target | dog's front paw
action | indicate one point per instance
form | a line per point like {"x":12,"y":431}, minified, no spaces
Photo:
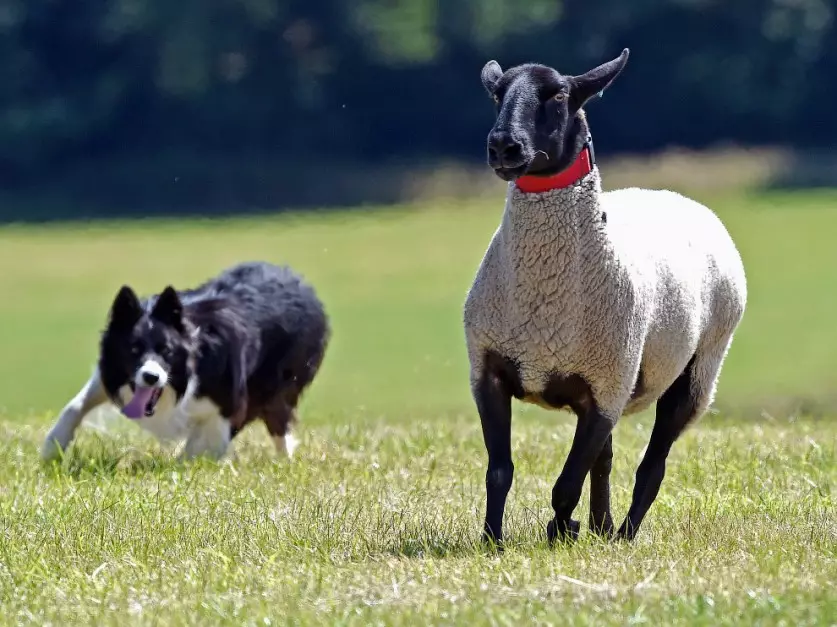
{"x":51,"y":449}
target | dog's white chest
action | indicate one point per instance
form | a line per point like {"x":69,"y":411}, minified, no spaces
{"x":198,"y":421}
{"x":173,"y":421}
{"x":167,"y":425}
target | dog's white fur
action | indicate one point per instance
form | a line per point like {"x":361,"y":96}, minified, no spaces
{"x":197,"y":420}
{"x":62,"y":433}
{"x":286,"y":445}
{"x":154,"y":367}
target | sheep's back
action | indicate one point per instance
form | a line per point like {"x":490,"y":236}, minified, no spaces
{"x":684,"y":251}
{"x":681,"y":240}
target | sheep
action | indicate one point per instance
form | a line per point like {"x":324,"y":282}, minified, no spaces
{"x":600,"y":302}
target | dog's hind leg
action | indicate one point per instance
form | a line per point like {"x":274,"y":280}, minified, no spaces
{"x":286,"y":444}
{"x":279,"y":418}
{"x":59,"y":437}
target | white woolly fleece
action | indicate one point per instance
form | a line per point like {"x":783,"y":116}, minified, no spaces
{"x":562,"y":291}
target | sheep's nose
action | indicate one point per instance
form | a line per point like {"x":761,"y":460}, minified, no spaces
{"x":504,"y":151}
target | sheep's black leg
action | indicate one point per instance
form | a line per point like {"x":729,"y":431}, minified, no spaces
{"x":493,"y":401}
{"x":591,"y":434}
{"x":601,"y":522}
{"x":675,"y":409}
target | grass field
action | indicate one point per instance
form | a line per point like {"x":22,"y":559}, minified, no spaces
{"x":375,"y":520}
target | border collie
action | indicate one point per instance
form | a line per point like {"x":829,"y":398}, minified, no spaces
{"x":200,"y":364}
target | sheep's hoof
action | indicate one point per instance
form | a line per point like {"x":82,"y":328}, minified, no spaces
{"x":627,"y":532}
{"x":624,"y":536}
{"x":603,"y":529}
{"x":564,"y":530}
{"x":491,"y":543}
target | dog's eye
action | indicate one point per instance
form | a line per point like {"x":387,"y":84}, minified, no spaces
{"x":136,"y":349}
{"x":162,"y":350}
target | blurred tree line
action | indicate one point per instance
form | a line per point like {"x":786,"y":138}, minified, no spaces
{"x":306,"y":83}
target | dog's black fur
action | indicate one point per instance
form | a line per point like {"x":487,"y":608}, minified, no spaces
{"x":253,"y":338}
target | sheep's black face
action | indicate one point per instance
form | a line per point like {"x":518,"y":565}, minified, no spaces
{"x":537,"y":130}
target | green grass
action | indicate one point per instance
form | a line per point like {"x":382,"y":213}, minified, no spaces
{"x":375,"y":521}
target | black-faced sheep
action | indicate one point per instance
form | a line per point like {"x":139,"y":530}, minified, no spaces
{"x":600,"y":302}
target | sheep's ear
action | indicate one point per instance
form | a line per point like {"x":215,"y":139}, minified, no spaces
{"x":491,"y":73}
{"x":585,"y":86}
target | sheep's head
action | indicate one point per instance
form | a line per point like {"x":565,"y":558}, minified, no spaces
{"x":538,"y":130}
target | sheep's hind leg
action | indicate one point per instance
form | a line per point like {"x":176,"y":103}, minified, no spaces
{"x":493,"y":401}
{"x":592,"y":433}
{"x":601,"y":521}
{"x":684,"y":401}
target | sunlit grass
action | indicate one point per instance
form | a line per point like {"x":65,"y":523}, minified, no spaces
{"x":376,"y":520}
{"x":377,"y":523}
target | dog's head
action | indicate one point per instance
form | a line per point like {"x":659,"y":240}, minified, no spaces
{"x":146,"y":353}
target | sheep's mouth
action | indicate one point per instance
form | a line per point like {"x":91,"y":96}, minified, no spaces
{"x":511,"y":174}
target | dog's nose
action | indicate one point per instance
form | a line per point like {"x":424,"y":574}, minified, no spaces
{"x":504,"y":150}
{"x":150,"y":378}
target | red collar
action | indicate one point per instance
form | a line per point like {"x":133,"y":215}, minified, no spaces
{"x":579,"y":168}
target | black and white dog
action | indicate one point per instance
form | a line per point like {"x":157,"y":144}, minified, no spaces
{"x":200,"y":364}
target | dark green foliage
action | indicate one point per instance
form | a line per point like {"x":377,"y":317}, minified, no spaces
{"x":372,"y":80}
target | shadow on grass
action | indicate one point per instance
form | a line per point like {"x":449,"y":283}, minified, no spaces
{"x":443,"y":537}
{"x":101,"y":457}
{"x":461,"y":545}
{"x":81,"y":466}
{"x":435,"y":547}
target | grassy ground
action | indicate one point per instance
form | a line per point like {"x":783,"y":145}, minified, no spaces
{"x":375,"y":521}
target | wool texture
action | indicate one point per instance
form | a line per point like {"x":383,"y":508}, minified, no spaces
{"x":606,"y":285}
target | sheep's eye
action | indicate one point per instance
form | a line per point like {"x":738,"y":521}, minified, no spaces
{"x":496,"y":99}
{"x":560,"y":97}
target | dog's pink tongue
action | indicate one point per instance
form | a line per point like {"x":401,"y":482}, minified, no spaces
{"x":136,"y":407}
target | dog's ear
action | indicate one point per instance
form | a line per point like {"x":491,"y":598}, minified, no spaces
{"x":169,"y":310}
{"x":125,"y":310}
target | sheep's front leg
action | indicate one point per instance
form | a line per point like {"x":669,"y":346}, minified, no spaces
{"x":494,"y":406}
{"x":591,"y":433}
{"x":62,"y":433}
